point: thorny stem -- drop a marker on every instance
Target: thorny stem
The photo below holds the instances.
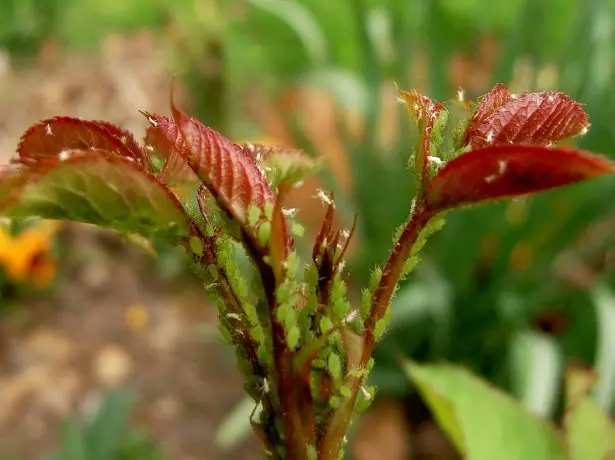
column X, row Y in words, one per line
column 342, row 416
column 422, row 164
column 381, row 300
column 232, row 302
column 294, row 436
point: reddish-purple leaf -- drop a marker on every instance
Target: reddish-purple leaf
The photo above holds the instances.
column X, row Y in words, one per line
column 163, row 140
column 489, row 103
column 49, row 138
column 229, row 172
column 533, row 118
column 510, row 170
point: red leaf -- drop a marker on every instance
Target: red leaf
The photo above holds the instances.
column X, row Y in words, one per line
column 164, row 139
column 229, row 172
column 49, row 138
column 510, row 170
column 490, row 102
column 533, row 118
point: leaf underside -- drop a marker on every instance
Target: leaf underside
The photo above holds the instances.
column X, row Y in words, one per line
column 97, row 188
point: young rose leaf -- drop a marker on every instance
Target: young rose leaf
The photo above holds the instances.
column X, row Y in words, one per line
column 229, row 172
column 489, row 103
column 510, row 170
column 428, row 116
column 533, row 118
column 163, row 142
column 95, row 187
column 282, row 165
column 53, row 138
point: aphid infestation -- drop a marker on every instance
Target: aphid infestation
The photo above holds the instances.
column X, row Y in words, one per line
column 303, row 348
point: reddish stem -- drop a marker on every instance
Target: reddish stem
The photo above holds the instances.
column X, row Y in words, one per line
column 392, row 271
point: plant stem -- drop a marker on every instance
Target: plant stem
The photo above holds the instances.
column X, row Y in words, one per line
column 381, row 300
column 295, row 445
column 340, row 419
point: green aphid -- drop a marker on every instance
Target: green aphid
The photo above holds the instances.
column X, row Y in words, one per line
column 268, row 210
column 340, row 308
column 382, row 324
column 375, row 278
column 292, row 337
column 334, row 402
column 366, row 303
column 213, row 271
column 226, row 334
column 334, row 366
column 196, row 245
column 365, row 398
column 345, row 391
column 251, row 313
column 297, row 229
column 264, row 233
column 325, row 325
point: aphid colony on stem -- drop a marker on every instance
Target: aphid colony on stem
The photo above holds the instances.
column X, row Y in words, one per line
column 303, row 348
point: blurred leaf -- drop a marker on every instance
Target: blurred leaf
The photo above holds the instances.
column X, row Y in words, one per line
column 439, row 44
column 483, row 422
column 344, row 86
column 379, row 28
column 74, row 445
column 371, row 72
column 106, row 430
column 502, row 171
column 302, row 22
column 590, row 433
column 604, row 302
column 536, row 368
column 235, row 428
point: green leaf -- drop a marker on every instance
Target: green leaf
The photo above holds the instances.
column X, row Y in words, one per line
column 235, row 428
column 95, row 188
column 302, row 22
column 106, row 431
column 345, row 87
column 483, row 422
column 590, row 433
column 536, row 366
column 74, row 445
column 604, row 301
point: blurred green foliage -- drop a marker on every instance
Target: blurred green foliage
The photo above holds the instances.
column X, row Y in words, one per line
column 494, row 292
column 107, row 434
